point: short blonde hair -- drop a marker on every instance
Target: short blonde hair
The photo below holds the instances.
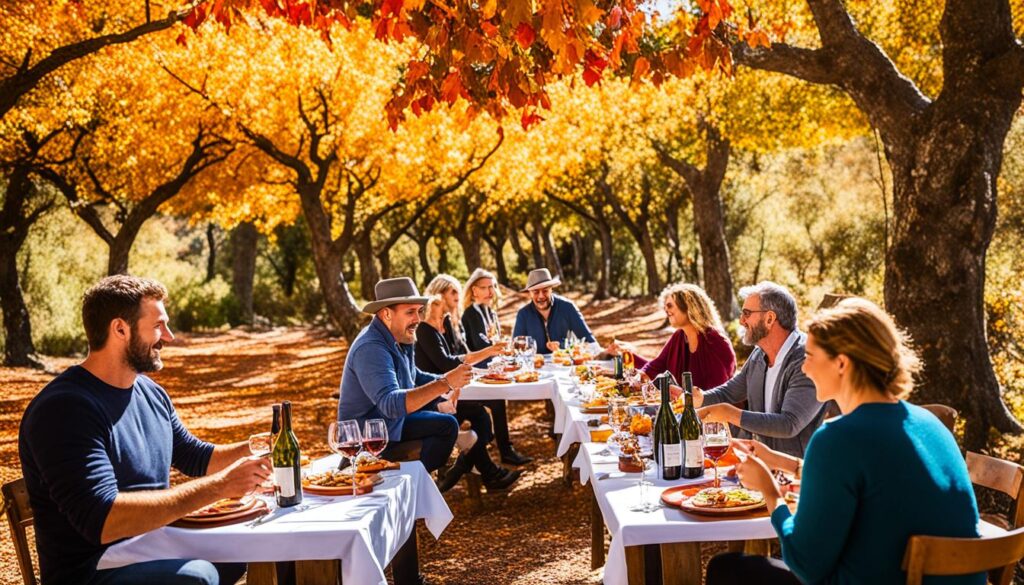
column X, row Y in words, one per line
column 879, row 351
column 696, row 303
column 480, row 274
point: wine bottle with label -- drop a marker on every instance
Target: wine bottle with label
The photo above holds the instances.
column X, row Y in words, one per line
column 690, row 428
column 668, row 448
column 286, row 461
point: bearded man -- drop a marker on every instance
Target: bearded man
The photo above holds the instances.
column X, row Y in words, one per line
column 782, row 408
column 97, row 444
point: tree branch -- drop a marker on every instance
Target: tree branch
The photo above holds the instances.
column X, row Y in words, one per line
column 26, row 78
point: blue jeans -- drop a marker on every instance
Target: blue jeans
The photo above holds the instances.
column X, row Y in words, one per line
column 437, row 431
column 171, row 572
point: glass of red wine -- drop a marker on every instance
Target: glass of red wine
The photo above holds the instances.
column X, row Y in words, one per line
column 344, row 438
column 716, row 443
column 375, row 436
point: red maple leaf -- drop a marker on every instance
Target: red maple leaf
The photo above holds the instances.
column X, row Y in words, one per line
column 529, row 119
column 525, row 35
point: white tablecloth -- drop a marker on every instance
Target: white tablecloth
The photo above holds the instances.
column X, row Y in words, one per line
column 616, row 492
column 574, row 428
column 544, row 389
column 364, row 532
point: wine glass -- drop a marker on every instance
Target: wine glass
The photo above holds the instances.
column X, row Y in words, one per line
column 375, row 436
column 259, row 444
column 716, row 443
column 343, row 437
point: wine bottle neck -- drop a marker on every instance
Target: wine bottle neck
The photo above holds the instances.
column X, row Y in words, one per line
column 286, row 417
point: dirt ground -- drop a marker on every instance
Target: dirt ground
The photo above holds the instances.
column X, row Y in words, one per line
column 222, row 385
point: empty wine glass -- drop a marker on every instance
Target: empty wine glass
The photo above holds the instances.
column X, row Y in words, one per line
column 343, row 437
column 375, row 436
column 259, row 444
column 716, row 443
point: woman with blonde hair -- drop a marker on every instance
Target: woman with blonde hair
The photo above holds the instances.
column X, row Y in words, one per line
column 480, row 323
column 883, row 471
column 699, row 345
column 449, row 289
column 436, row 355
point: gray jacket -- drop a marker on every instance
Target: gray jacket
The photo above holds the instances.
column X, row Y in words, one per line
column 788, row 423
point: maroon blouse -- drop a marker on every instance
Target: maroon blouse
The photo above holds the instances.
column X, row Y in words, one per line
column 712, row 365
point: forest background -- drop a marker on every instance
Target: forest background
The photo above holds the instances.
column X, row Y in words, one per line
column 244, row 165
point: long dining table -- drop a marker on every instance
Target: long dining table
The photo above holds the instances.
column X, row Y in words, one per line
column 327, row 537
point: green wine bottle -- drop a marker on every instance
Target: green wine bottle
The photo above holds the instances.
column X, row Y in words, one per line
column 667, row 441
column 286, row 461
column 689, row 427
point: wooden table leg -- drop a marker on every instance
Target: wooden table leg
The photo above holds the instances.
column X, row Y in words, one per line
column 567, row 460
column 635, row 565
column 596, row 533
column 261, row 574
column 760, row 547
column 318, row 572
column 680, row 563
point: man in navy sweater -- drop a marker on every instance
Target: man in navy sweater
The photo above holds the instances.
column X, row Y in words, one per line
column 549, row 318
column 97, row 444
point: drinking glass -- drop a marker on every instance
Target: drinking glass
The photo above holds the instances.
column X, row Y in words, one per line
column 644, row 456
column 529, row 352
column 375, row 436
column 716, row 443
column 259, row 444
column 343, row 437
column 618, row 412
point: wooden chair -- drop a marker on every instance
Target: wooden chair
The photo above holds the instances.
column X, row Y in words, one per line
column 934, row 555
column 947, row 414
column 19, row 517
column 1002, row 476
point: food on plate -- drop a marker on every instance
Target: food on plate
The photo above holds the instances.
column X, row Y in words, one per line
column 730, row 497
column 509, row 368
column 367, row 463
column 538, row 361
column 641, row 424
column 225, row 506
column 493, row 378
column 524, row 377
column 562, row 358
column 597, row 402
column 335, row 478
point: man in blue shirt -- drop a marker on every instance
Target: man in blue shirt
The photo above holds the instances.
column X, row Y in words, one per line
column 549, row 318
column 381, row 380
column 97, row 444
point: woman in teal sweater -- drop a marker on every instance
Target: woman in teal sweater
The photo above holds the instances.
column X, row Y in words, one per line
column 873, row 477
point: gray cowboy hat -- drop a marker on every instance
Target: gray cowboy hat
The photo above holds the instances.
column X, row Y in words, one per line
column 540, row 278
column 394, row 291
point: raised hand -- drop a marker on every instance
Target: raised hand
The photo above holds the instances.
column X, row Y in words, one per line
column 460, row 376
column 243, row 476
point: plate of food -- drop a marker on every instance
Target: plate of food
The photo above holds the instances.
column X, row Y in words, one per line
column 494, row 378
column 526, row 377
column 339, row 483
column 596, row 406
column 713, row 501
column 222, row 512
column 367, row 463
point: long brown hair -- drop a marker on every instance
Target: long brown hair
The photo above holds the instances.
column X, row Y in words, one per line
column 879, row 351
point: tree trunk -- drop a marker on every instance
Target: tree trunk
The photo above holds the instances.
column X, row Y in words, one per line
column 120, row 250
column 244, row 240
column 550, row 254
column 384, row 257
column 19, row 351
column 945, row 214
column 576, row 246
column 587, row 257
column 605, row 235
column 368, row 273
column 470, row 242
column 536, row 247
column 211, row 259
column 442, row 256
column 497, row 245
column 522, row 260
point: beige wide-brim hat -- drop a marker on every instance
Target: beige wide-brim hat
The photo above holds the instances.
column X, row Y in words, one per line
column 394, row 291
column 540, row 278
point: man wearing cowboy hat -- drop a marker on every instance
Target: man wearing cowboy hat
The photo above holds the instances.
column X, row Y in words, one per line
column 381, row 380
column 549, row 318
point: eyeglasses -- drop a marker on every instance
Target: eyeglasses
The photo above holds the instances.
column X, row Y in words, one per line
column 747, row 312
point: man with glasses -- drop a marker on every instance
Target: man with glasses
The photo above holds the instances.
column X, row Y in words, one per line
column 782, row 408
column 549, row 318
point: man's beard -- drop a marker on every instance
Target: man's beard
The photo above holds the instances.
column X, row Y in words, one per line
column 143, row 358
column 751, row 335
column 543, row 305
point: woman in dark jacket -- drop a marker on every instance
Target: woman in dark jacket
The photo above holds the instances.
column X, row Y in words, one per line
column 482, row 328
column 435, row 354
